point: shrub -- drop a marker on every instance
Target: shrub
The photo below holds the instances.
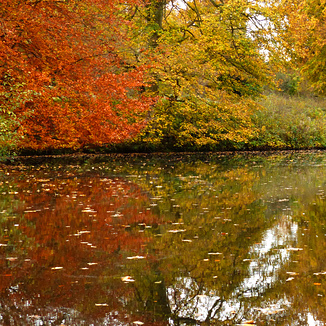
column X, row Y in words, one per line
column 290, row 122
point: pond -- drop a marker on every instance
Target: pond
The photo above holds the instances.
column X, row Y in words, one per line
column 182, row 239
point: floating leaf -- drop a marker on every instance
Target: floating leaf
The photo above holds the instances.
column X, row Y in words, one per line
column 176, row 231
column 248, row 322
column 202, row 296
column 292, row 273
column 270, row 310
column 320, row 273
column 127, row 279
column 136, row 257
column 294, row 249
column 89, row 210
column 289, row 279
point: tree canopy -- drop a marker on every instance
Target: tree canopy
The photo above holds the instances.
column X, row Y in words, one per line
column 77, row 74
column 63, row 79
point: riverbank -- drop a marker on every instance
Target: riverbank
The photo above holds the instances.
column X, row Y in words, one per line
column 283, row 123
column 169, row 157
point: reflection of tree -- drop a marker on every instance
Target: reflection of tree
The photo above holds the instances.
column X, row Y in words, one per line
column 203, row 209
column 308, row 290
column 192, row 239
column 201, row 252
column 75, row 231
column 209, row 206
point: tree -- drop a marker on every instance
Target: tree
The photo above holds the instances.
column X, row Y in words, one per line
column 302, row 35
column 207, row 66
column 62, row 78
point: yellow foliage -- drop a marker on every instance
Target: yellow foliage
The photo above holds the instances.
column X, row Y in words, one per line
column 207, row 69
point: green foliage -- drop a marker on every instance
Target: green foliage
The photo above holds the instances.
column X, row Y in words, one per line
column 289, row 83
column 290, row 122
column 12, row 97
column 7, row 136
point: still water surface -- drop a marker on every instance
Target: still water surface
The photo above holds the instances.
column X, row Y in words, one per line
column 164, row 240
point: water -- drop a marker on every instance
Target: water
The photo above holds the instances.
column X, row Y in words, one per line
column 183, row 239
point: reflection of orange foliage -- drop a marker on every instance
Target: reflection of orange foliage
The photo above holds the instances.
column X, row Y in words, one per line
column 78, row 232
column 96, row 214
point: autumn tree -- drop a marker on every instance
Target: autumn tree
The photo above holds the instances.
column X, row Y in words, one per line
column 63, row 81
column 207, row 66
column 302, row 35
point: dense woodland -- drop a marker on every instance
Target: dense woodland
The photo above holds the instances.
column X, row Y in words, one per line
column 149, row 75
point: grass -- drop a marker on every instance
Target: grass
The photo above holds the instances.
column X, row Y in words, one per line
column 290, row 123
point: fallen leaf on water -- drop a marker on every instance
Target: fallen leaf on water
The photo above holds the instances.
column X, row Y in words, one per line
column 292, row 273
column 89, row 210
column 35, row 316
column 320, row 273
column 136, row 257
column 248, row 322
column 176, row 231
column 270, row 311
column 32, row 211
column 127, row 279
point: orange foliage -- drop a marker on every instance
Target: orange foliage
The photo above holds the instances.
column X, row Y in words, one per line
column 62, row 76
